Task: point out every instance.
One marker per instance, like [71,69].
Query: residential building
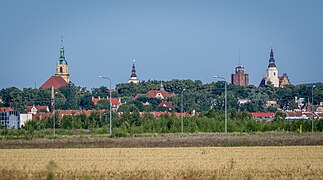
[9,118]
[243,101]
[133,78]
[34,109]
[240,78]
[167,105]
[262,115]
[160,94]
[272,104]
[116,102]
[158,114]
[299,115]
[24,118]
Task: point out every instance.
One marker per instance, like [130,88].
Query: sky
[175,39]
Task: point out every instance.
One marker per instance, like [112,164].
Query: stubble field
[283,162]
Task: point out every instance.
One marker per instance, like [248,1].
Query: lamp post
[313,108]
[225,104]
[53,107]
[102,77]
[182,109]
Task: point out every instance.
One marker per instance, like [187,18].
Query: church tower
[133,77]
[62,66]
[272,72]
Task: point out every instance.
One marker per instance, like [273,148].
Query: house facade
[9,118]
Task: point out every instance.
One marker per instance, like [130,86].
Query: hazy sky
[169,39]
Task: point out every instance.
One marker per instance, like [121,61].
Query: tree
[102,104]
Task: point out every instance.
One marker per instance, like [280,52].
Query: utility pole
[53,107]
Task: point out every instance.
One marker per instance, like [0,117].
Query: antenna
[271,45]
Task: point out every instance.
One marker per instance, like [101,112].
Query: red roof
[56,81]
[262,114]
[37,107]
[95,100]
[115,101]
[62,113]
[299,114]
[157,114]
[6,109]
[154,93]
[166,104]
[41,115]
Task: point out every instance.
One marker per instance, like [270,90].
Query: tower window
[61,69]
[274,74]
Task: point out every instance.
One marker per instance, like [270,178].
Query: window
[61,69]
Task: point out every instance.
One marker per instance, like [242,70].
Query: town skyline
[169,40]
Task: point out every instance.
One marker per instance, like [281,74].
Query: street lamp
[182,109]
[53,106]
[313,108]
[225,104]
[102,77]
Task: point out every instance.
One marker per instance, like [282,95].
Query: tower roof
[133,71]
[62,59]
[272,59]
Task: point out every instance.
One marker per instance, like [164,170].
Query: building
[133,78]
[283,80]
[9,118]
[239,78]
[24,118]
[62,77]
[272,77]
[262,115]
[160,94]
[299,115]
[116,102]
[167,105]
[34,109]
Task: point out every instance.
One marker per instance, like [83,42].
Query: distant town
[275,98]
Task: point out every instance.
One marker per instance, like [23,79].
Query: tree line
[197,96]
[129,123]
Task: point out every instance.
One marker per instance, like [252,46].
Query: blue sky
[169,39]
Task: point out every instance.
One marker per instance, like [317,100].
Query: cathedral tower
[62,66]
[272,72]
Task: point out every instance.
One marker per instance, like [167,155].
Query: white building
[9,118]
[24,118]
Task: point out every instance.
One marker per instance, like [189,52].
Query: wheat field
[290,162]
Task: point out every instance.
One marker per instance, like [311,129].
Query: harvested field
[296,162]
[169,140]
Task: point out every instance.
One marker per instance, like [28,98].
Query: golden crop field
[297,162]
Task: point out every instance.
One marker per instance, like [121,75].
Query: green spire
[62,59]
